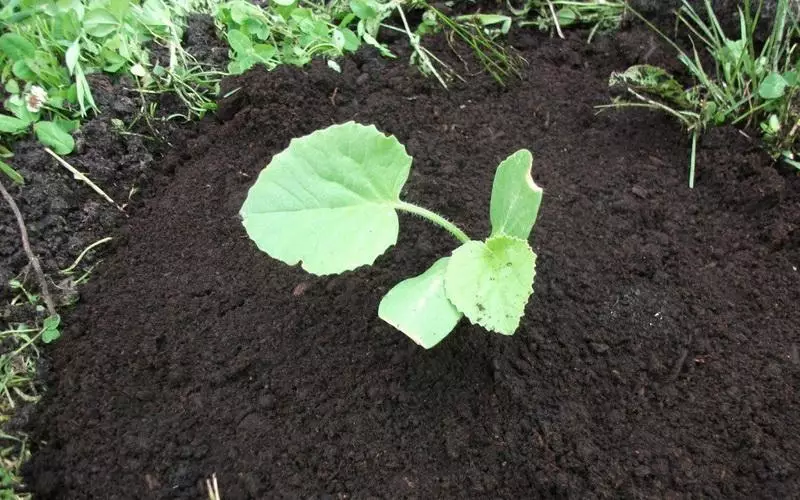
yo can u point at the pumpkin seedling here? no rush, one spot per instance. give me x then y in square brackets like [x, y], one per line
[330, 201]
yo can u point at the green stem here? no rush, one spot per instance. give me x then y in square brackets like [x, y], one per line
[693, 159]
[435, 218]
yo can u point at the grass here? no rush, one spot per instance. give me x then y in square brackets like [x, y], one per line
[49, 50]
[18, 375]
[601, 15]
[749, 84]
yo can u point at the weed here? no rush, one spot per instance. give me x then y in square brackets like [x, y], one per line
[330, 202]
[601, 15]
[478, 32]
[49, 50]
[750, 83]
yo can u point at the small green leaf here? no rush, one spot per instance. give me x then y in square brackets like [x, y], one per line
[329, 199]
[22, 70]
[772, 87]
[50, 134]
[567, 17]
[50, 331]
[72, 55]
[67, 126]
[50, 335]
[16, 47]
[16, 104]
[52, 322]
[12, 87]
[240, 65]
[100, 23]
[364, 9]
[490, 282]
[383, 49]
[515, 197]
[264, 52]
[351, 40]
[284, 3]
[11, 173]
[12, 125]
[241, 12]
[239, 42]
[419, 307]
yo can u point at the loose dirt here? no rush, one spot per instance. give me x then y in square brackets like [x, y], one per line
[658, 357]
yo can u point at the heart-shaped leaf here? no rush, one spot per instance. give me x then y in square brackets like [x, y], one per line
[50, 134]
[772, 87]
[329, 199]
[420, 308]
[12, 125]
[50, 332]
[490, 282]
[515, 197]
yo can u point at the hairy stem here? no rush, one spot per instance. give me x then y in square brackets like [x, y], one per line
[435, 218]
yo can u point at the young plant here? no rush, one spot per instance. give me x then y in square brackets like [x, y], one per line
[330, 202]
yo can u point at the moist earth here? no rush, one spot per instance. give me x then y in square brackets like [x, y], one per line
[63, 215]
[658, 357]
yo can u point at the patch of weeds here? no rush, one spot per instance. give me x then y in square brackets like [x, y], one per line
[548, 15]
[48, 50]
[749, 84]
[13, 453]
[479, 32]
[293, 32]
[18, 374]
[19, 361]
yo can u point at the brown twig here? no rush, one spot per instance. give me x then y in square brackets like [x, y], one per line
[26, 245]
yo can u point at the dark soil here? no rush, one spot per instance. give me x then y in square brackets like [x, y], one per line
[658, 358]
[63, 215]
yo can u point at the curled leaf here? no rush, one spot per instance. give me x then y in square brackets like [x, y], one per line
[515, 197]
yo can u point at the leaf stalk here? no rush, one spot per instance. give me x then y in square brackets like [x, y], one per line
[435, 218]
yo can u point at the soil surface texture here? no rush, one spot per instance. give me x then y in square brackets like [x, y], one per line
[658, 357]
[63, 215]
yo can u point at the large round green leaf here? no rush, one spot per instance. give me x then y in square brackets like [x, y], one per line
[419, 307]
[490, 282]
[329, 199]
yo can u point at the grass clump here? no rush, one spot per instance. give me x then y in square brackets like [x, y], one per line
[747, 83]
[601, 15]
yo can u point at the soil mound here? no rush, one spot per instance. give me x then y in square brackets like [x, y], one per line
[659, 354]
